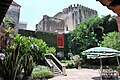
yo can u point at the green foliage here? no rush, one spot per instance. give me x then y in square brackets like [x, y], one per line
[73, 63]
[68, 63]
[111, 40]
[8, 25]
[9, 66]
[38, 75]
[41, 72]
[8, 22]
[109, 24]
[49, 37]
[90, 32]
[28, 65]
[41, 68]
[31, 44]
[83, 36]
[51, 50]
[7, 29]
[36, 47]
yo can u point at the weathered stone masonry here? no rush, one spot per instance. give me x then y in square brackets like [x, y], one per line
[67, 19]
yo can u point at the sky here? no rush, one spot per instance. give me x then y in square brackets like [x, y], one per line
[32, 11]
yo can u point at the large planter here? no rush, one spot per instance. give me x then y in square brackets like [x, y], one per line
[27, 78]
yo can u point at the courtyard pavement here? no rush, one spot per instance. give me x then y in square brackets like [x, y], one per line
[79, 74]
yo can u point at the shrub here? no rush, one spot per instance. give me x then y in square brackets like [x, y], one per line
[73, 63]
[36, 47]
[42, 68]
[111, 40]
[42, 72]
[51, 50]
[68, 63]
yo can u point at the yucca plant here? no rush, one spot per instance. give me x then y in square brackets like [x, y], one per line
[28, 65]
[10, 64]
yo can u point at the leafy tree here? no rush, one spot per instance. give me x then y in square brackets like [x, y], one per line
[83, 36]
[108, 24]
[111, 40]
[90, 32]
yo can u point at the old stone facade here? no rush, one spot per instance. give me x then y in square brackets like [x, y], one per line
[66, 20]
[50, 23]
[14, 13]
[22, 25]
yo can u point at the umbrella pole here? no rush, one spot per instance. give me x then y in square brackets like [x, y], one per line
[118, 61]
[101, 68]
[101, 62]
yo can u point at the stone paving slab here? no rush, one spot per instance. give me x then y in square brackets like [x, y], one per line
[81, 74]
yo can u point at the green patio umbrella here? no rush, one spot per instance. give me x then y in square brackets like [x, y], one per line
[101, 52]
[100, 49]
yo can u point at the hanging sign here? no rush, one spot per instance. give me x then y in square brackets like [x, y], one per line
[60, 40]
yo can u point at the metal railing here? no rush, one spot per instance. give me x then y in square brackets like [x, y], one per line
[57, 62]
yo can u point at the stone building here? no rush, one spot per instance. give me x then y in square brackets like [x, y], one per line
[21, 25]
[50, 23]
[14, 13]
[65, 20]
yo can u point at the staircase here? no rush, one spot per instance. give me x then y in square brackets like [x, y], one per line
[56, 70]
[55, 65]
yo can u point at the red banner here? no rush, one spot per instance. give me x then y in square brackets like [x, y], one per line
[118, 22]
[60, 40]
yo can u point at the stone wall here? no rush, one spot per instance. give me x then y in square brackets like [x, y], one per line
[73, 15]
[68, 18]
[50, 24]
[14, 13]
